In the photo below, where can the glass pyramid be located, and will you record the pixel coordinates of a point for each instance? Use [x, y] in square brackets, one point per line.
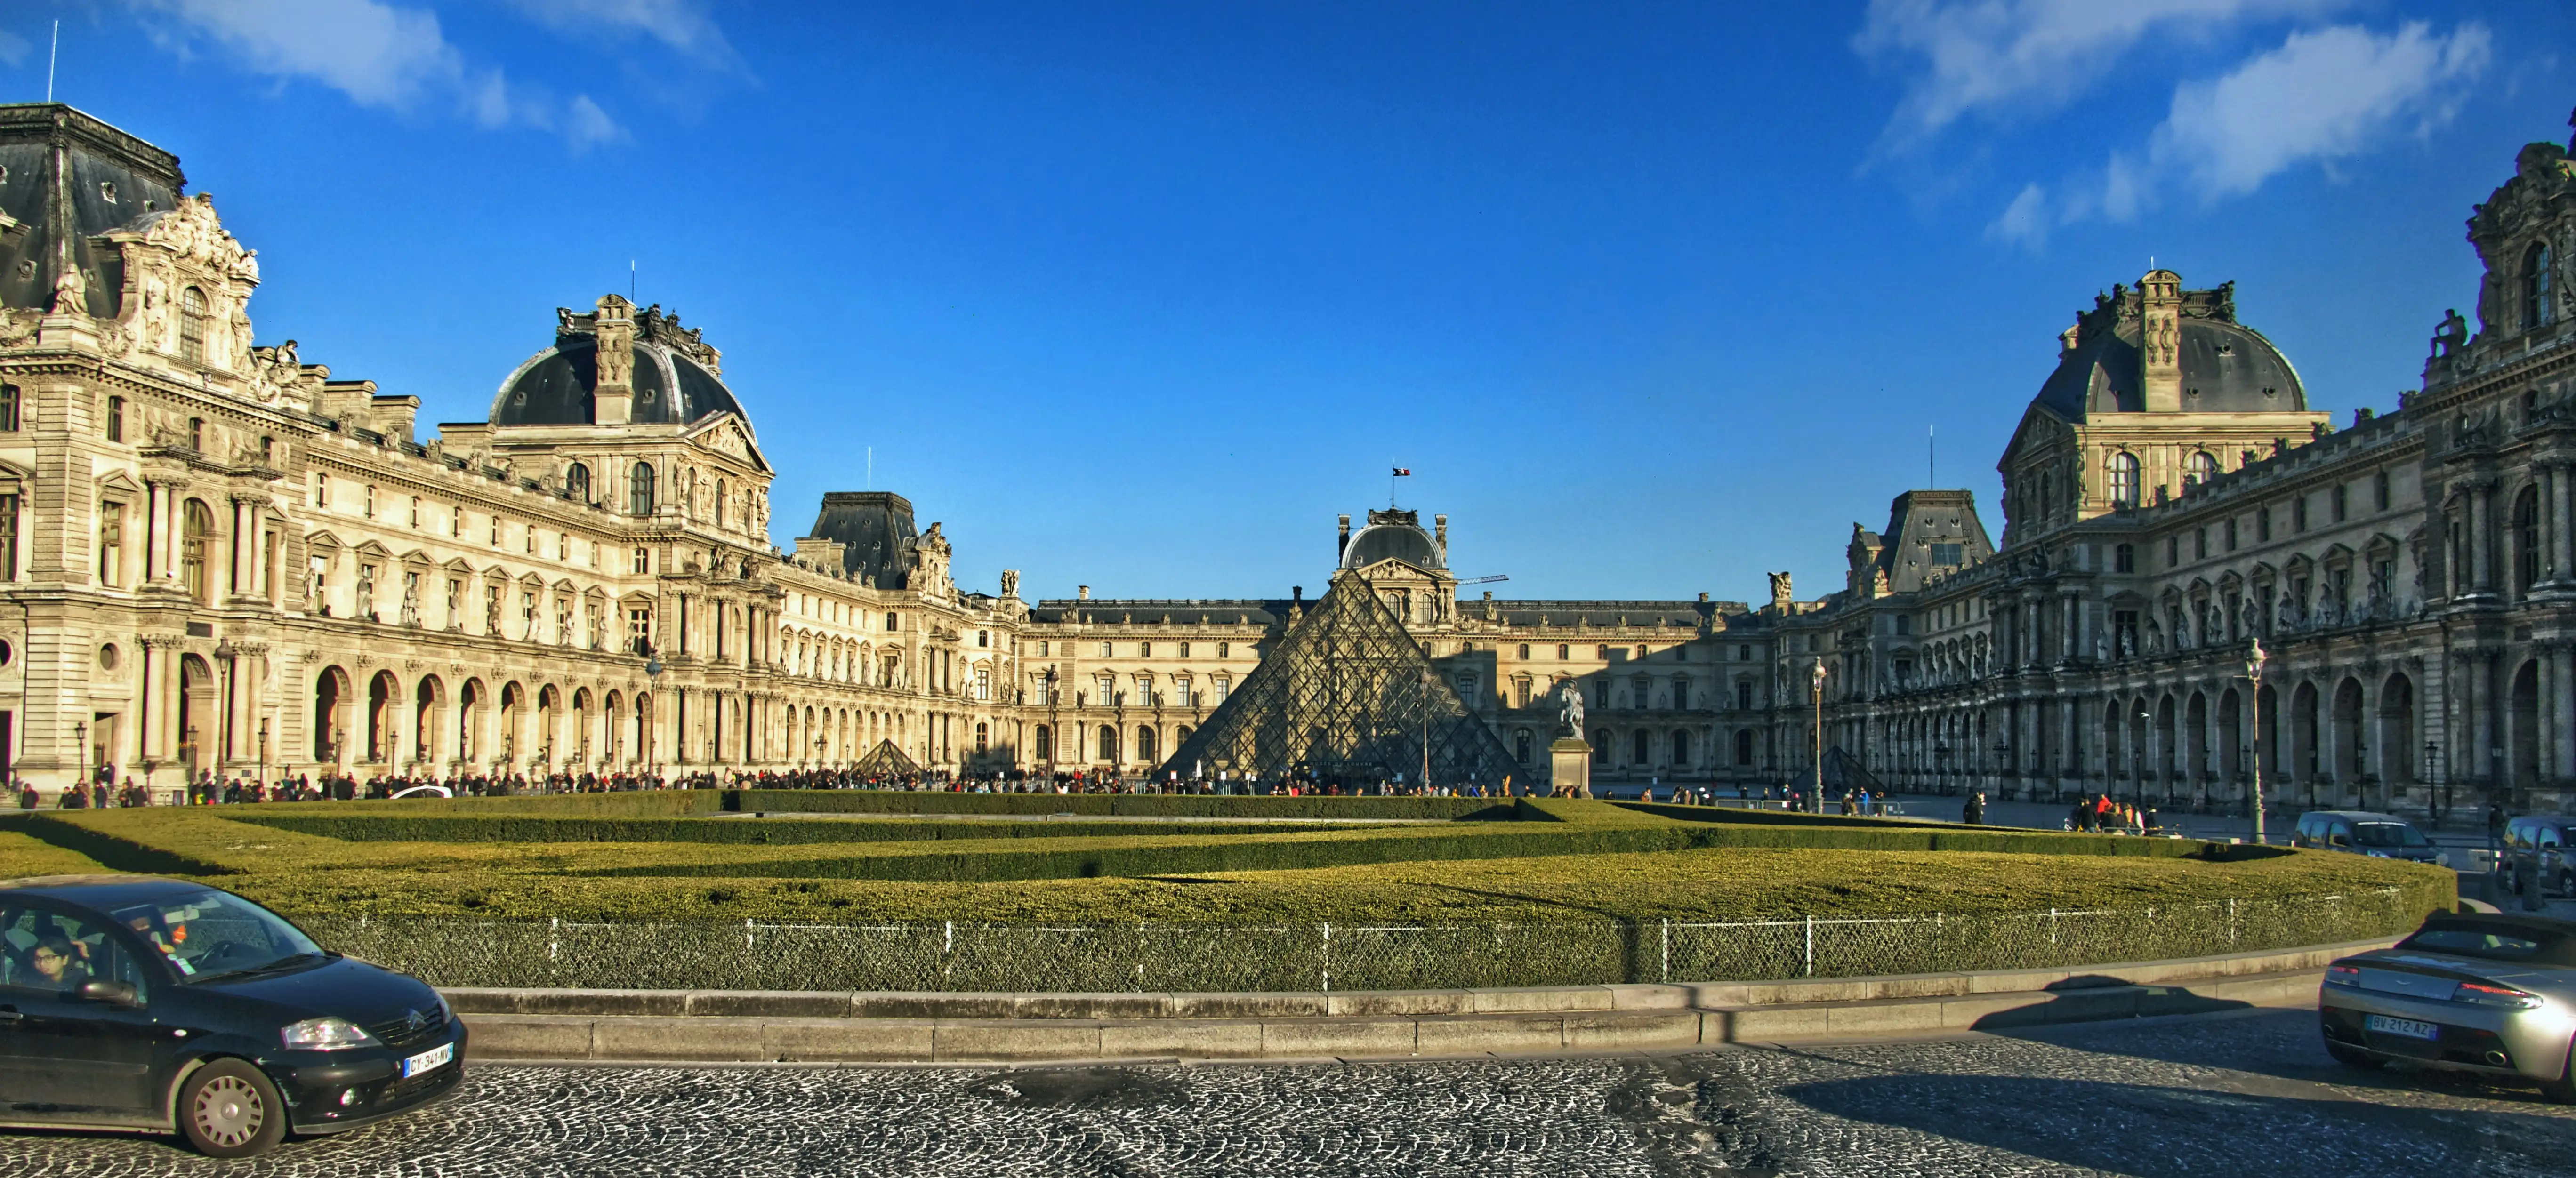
[1347, 698]
[886, 761]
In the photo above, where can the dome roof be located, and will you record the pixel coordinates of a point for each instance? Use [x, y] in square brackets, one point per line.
[671, 385]
[2226, 368]
[1392, 540]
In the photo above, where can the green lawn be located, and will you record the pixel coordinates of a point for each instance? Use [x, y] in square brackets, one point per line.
[667, 857]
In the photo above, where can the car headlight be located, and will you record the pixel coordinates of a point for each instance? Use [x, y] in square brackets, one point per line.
[2441, 858]
[325, 1034]
[2376, 854]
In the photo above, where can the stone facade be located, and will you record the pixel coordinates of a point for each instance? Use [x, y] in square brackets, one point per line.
[2169, 499]
[228, 559]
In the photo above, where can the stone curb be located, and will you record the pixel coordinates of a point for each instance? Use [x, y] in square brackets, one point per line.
[692, 1026]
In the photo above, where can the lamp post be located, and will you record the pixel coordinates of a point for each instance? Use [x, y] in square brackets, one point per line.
[1816, 800]
[1941, 767]
[2254, 659]
[80, 748]
[652, 680]
[224, 654]
[2003, 765]
[2435, 790]
[263, 748]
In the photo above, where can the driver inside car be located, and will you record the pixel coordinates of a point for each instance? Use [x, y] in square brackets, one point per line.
[58, 964]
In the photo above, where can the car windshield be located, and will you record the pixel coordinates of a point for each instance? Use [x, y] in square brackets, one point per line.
[2388, 834]
[210, 935]
[2537, 946]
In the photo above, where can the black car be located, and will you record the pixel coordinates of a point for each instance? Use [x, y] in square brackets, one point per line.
[134, 1003]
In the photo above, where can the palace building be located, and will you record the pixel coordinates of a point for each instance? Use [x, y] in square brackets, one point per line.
[231, 560]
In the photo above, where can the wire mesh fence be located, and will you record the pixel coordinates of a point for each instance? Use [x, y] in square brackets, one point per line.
[1141, 958]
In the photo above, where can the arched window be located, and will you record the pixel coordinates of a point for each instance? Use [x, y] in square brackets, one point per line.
[1744, 747]
[716, 511]
[1108, 743]
[1600, 746]
[639, 493]
[577, 483]
[2536, 288]
[981, 733]
[2123, 469]
[192, 325]
[194, 531]
[1144, 743]
[1642, 747]
[2526, 538]
[1045, 743]
[1681, 748]
[2200, 468]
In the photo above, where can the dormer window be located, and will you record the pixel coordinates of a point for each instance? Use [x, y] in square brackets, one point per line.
[107, 191]
[2536, 289]
[192, 326]
[577, 483]
[2123, 469]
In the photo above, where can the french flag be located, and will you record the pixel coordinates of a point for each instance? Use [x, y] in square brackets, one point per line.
[1403, 472]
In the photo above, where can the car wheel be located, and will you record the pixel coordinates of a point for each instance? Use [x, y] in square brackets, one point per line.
[229, 1109]
[2354, 1057]
[2561, 1090]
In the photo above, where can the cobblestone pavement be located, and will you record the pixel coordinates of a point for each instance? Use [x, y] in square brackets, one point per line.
[2233, 1095]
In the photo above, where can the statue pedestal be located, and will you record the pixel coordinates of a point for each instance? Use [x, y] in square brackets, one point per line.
[1570, 767]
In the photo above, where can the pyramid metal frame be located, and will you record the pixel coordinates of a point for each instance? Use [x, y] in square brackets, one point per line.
[1347, 697]
[885, 760]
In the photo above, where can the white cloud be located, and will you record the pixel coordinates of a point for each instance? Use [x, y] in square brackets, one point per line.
[682, 25]
[2024, 56]
[378, 54]
[2325, 95]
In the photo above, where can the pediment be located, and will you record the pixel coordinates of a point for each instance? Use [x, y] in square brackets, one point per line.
[728, 434]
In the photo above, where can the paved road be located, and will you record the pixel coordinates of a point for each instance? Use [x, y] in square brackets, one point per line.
[2222, 1096]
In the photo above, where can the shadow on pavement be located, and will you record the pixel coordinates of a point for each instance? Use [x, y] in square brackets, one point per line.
[2094, 998]
[2275, 1043]
[2167, 1132]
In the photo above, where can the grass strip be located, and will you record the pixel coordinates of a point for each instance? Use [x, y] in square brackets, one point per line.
[434, 828]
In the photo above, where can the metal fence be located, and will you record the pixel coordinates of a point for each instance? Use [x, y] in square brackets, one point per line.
[1320, 956]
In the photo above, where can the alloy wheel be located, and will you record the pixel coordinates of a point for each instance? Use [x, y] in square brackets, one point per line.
[229, 1111]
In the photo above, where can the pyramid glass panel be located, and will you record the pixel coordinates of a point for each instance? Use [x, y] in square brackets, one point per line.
[1347, 698]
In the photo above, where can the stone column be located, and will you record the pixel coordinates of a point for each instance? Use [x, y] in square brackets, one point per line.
[2562, 525]
[239, 579]
[2481, 539]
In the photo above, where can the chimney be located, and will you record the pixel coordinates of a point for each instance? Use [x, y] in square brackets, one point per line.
[1440, 531]
[2160, 340]
[1082, 593]
[612, 400]
[1344, 544]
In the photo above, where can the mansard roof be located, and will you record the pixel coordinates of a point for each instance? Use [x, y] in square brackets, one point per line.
[66, 178]
[2227, 367]
[675, 378]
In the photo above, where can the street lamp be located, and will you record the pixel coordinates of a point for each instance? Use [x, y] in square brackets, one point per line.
[80, 748]
[2254, 659]
[224, 653]
[652, 679]
[263, 748]
[1816, 800]
[2432, 768]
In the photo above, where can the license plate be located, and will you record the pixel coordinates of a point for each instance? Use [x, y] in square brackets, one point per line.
[439, 1055]
[2408, 1027]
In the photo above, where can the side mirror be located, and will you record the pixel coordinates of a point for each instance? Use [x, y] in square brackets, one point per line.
[117, 994]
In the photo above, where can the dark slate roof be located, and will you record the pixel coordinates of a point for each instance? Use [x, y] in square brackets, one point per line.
[875, 531]
[60, 214]
[1392, 535]
[1682, 614]
[1150, 611]
[2226, 368]
[553, 387]
[1917, 520]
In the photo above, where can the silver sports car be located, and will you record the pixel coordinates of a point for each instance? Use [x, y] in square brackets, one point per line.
[2471, 992]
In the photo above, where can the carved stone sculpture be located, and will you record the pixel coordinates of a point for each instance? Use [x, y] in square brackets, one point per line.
[1569, 707]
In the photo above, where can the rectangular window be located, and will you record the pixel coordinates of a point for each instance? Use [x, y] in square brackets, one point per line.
[2173, 551]
[496, 529]
[456, 523]
[1948, 555]
[2379, 491]
[2231, 538]
[8, 408]
[529, 539]
[1144, 650]
[1185, 650]
[1222, 648]
[368, 506]
[2299, 514]
[643, 561]
[1108, 650]
[116, 419]
[639, 630]
[415, 511]
[1905, 626]
[2124, 632]
[2339, 511]
[1520, 693]
[984, 684]
[2200, 551]
[1042, 647]
[8, 537]
[1219, 687]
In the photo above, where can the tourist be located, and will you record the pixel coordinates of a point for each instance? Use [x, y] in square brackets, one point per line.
[1975, 813]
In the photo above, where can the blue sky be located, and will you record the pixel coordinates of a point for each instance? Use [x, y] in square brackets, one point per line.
[1652, 298]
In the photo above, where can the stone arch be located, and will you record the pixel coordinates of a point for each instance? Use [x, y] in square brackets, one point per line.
[429, 708]
[382, 693]
[330, 701]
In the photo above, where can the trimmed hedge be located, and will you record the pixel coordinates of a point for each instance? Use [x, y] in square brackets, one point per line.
[115, 851]
[1752, 817]
[874, 801]
[432, 828]
[1076, 858]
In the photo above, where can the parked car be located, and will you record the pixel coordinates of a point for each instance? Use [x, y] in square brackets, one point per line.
[133, 1003]
[2470, 992]
[2536, 854]
[2367, 832]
